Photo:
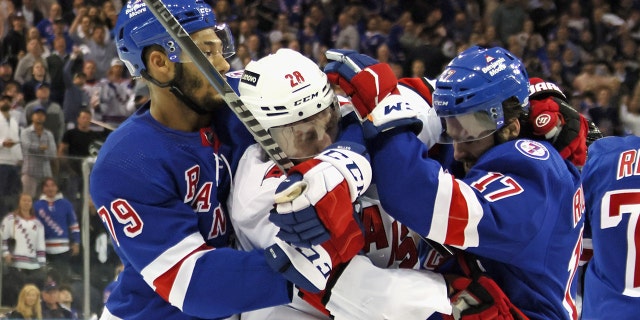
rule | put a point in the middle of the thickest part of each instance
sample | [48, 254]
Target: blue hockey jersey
[520, 209]
[611, 181]
[161, 195]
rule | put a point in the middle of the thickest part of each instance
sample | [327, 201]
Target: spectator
[605, 113]
[14, 44]
[508, 19]
[59, 30]
[46, 25]
[10, 157]
[38, 149]
[38, 76]
[61, 229]
[55, 116]
[6, 73]
[100, 51]
[321, 24]
[22, 249]
[66, 300]
[73, 148]
[28, 305]
[115, 94]
[25, 64]
[345, 33]
[31, 13]
[51, 308]
[56, 61]
[12, 90]
[81, 27]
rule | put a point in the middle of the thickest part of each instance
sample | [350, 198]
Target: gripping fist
[555, 120]
[320, 211]
[476, 296]
[479, 298]
[373, 88]
[361, 77]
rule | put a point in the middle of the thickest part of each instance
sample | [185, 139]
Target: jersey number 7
[614, 204]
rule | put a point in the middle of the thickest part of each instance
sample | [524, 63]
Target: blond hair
[29, 312]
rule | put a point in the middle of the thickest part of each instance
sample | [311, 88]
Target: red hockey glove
[476, 296]
[322, 213]
[555, 120]
[479, 299]
[373, 88]
[361, 77]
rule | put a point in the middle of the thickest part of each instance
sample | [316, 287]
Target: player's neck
[174, 114]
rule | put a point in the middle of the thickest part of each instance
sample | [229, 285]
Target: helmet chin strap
[173, 88]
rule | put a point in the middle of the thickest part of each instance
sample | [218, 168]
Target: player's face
[306, 138]
[470, 151]
[192, 82]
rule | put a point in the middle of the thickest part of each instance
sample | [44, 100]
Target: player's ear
[510, 131]
[159, 66]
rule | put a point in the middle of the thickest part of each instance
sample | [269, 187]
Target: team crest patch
[533, 149]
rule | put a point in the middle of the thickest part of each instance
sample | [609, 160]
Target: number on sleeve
[511, 187]
[125, 215]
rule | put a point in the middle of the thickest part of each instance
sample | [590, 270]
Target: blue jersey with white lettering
[161, 194]
[611, 181]
[514, 209]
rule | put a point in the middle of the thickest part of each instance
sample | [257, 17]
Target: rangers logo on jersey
[533, 149]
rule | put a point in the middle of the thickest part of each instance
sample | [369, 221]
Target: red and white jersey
[388, 244]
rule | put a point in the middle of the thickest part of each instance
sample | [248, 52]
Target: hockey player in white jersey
[297, 106]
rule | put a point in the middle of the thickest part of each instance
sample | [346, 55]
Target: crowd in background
[59, 68]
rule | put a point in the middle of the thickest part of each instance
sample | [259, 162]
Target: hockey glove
[373, 88]
[322, 212]
[476, 296]
[553, 119]
[307, 268]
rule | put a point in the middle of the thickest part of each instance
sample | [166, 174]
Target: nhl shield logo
[533, 149]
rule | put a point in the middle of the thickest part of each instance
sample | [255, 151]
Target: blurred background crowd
[60, 76]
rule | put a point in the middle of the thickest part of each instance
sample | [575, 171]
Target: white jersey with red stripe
[520, 209]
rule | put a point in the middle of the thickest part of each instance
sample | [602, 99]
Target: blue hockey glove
[373, 88]
[307, 268]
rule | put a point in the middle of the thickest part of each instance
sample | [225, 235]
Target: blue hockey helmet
[470, 91]
[138, 28]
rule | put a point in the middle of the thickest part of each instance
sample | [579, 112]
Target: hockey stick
[102, 124]
[177, 32]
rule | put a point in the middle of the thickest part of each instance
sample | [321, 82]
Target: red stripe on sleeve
[458, 216]
[164, 283]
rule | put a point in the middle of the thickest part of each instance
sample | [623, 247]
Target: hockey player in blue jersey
[519, 207]
[161, 181]
[611, 181]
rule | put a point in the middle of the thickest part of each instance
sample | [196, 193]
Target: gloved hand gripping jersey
[373, 88]
[318, 226]
[554, 119]
[476, 296]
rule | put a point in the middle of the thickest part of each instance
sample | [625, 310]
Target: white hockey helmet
[287, 93]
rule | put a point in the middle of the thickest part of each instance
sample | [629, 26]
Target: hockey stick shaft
[180, 35]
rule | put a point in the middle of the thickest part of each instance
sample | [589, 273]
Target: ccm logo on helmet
[305, 99]
[249, 77]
